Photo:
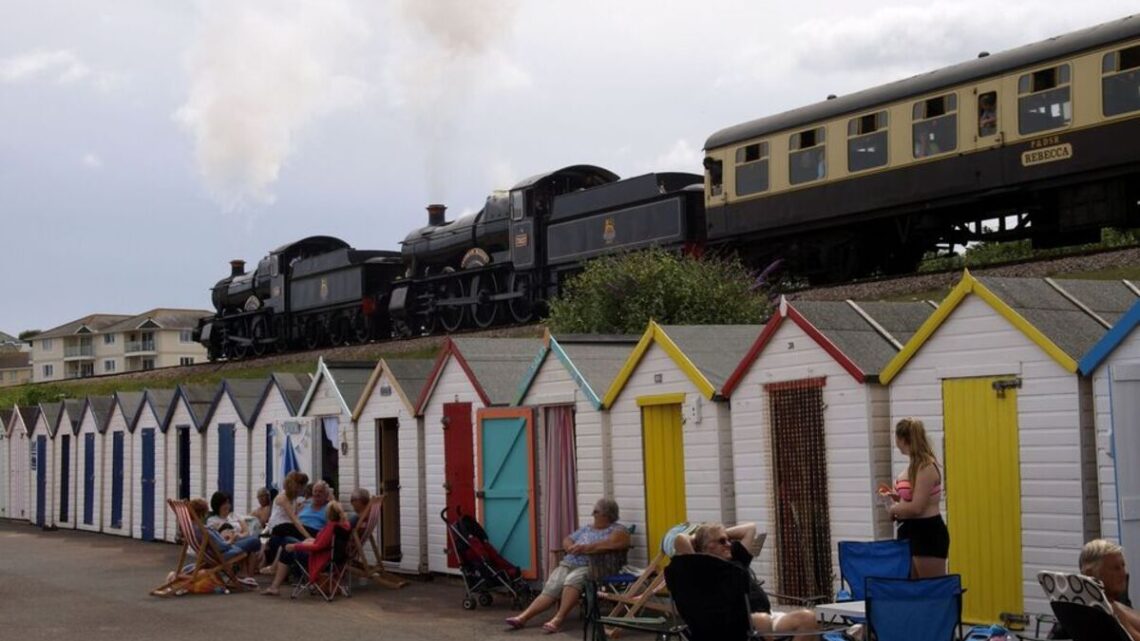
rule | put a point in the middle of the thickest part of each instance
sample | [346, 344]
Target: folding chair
[908, 609]
[889, 559]
[1080, 605]
[208, 558]
[333, 578]
[365, 531]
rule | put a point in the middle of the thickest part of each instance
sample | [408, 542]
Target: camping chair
[860, 559]
[365, 531]
[208, 558]
[1080, 605]
[908, 609]
[640, 594]
[335, 577]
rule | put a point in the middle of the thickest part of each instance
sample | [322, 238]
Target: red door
[459, 465]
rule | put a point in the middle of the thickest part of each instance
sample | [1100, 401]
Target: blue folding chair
[908, 609]
[860, 559]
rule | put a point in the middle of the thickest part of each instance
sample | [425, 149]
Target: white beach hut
[117, 468]
[993, 375]
[332, 396]
[463, 405]
[40, 499]
[65, 472]
[811, 434]
[228, 440]
[5, 463]
[565, 385]
[148, 460]
[388, 440]
[92, 426]
[186, 441]
[19, 456]
[275, 425]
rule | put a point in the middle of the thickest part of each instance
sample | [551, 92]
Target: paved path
[77, 585]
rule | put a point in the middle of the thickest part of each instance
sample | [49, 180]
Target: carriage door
[89, 479]
[506, 484]
[146, 483]
[41, 478]
[983, 494]
[1125, 395]
[664, 459]
[226, 459]
[459, 466]
[117, 480]
[388, 482]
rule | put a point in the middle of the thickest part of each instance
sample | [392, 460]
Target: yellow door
[983, 494]
[664, 471]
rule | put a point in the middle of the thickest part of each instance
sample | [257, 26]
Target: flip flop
[515, 623]
[551, 628]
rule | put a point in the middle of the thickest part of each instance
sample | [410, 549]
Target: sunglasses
[722, 540]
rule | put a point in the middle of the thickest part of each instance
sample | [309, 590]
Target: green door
[505, 487]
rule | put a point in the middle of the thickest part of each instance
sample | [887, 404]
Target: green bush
[620, 294]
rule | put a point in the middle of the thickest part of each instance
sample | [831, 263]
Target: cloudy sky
[143, 144]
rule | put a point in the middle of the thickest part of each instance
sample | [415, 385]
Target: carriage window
[1120, 85]
[935, 128]
[518, 207]
[1044, 101]
[806, 160]
[716, 175]
[752, 169]
[867, 141]
[987, 114]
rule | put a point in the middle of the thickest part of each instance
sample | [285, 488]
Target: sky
[144, 144]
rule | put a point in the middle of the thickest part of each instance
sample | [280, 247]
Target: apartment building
[15, 367]
[101, 344]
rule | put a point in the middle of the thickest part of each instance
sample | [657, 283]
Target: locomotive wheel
[339, 330]
[257, 332]
[240, 350]
[281, 331]
[314, 333]
[451, 317]
[484, 312]
[361, 331]
[522, 308]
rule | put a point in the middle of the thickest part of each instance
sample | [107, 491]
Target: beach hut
[42, 430]
[228, 440]
[117, 469]
[92, 426]
[19, 456]
[1113, 364]
[388, 440]
[811, 434]
[474, 443]
[65, 472]
[275, 427]
[5, 463]
[328, 404]
[148, 458]
[671, 429]
[186, 444]
[993, 375]
[565, 385]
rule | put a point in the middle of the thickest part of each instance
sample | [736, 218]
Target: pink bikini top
[906, 492]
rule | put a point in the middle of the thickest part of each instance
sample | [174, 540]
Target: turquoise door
[506, 484]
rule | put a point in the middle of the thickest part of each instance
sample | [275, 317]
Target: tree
[620, 294]
[29, 334]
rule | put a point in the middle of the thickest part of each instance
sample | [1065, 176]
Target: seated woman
[251, 545]
[264, 507]
[1104, 561]
[566, 582]
[316, 553]
[223, 520]
[733, 544]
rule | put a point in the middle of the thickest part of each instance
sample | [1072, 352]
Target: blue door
[89, 479]
[41, 478]
[117, 480]
[147, 484]
[65, 479]
[184, 462]
[226, 459]
[269, 455]
[506, 469]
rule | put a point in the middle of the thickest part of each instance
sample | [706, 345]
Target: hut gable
[157, 403]
[5, 420]
[591, 362]
[336, 387]
[127, 407]
[244, 394]
[192, 403]
[405, 377]
[29, 414]
[97, 411]
[1121, 332]
[494, 367]
[50, 415]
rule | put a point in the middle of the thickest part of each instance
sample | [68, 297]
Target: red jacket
[321, 549]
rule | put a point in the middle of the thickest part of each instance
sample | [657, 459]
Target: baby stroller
[484, 570]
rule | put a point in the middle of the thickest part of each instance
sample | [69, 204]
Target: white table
[841, 610]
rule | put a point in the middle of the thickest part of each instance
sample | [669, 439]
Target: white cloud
[62, 65]
[92, 161]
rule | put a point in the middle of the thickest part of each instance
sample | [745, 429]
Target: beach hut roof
[292, 386]
[1108, 344]
[5, 419]
[159, 402]
[348, 379]
[129, 404]
[593, 362]
[408, 376]
[51, 413]
[493, 365]
[25, 415]
[244, 393]
[73, 413]
[100, 409]
[199, 400]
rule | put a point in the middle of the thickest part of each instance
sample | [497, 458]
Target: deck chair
[335, 577]
[908, 609]
[208, 558]
[365, 534]
[642, 593]
[1080, 605]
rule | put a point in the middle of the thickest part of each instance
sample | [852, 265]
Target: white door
[1125, 391]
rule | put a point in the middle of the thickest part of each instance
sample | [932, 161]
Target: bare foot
[269, 592]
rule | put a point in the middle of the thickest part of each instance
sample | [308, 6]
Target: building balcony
[140, 347]
[79, 352]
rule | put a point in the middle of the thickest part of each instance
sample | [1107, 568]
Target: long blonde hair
[911, 431]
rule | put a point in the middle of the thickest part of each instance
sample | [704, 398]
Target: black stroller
[484, 570]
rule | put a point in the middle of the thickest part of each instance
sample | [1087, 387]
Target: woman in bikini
[915, 502]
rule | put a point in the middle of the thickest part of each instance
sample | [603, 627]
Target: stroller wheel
[485, 599]
[468, 603]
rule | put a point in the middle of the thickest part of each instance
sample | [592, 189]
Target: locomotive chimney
[237, 267]
[435, 214]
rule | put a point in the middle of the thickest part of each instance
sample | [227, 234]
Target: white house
[92, 425]
[148, 459]
[117, 468]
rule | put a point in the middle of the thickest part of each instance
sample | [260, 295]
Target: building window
[987, 114]
[186, 360]
[716, 175]
[147, 363]
[46, 345]
[935, 126]
[867, 141]
[49, 371]
[86, 370]
[1044, 100]
[752, 169]
[108, 339]
[186, 336]
[1120, 85]
[807, 160]
[108, 366]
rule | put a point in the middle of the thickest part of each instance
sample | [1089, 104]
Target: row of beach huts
[1029, 389]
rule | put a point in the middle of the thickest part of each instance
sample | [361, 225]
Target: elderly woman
[229, 549]
[1104, 561]
[566, 582]
[264, 506]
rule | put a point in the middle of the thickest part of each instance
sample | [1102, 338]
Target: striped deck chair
[208, 558]
[365, 534]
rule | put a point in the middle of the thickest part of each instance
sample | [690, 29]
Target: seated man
[313, 516]
[1104, 561]
[603, 534]
[359, 500]
[733, 544]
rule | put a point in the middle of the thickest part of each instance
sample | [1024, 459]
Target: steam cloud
[260, 71]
